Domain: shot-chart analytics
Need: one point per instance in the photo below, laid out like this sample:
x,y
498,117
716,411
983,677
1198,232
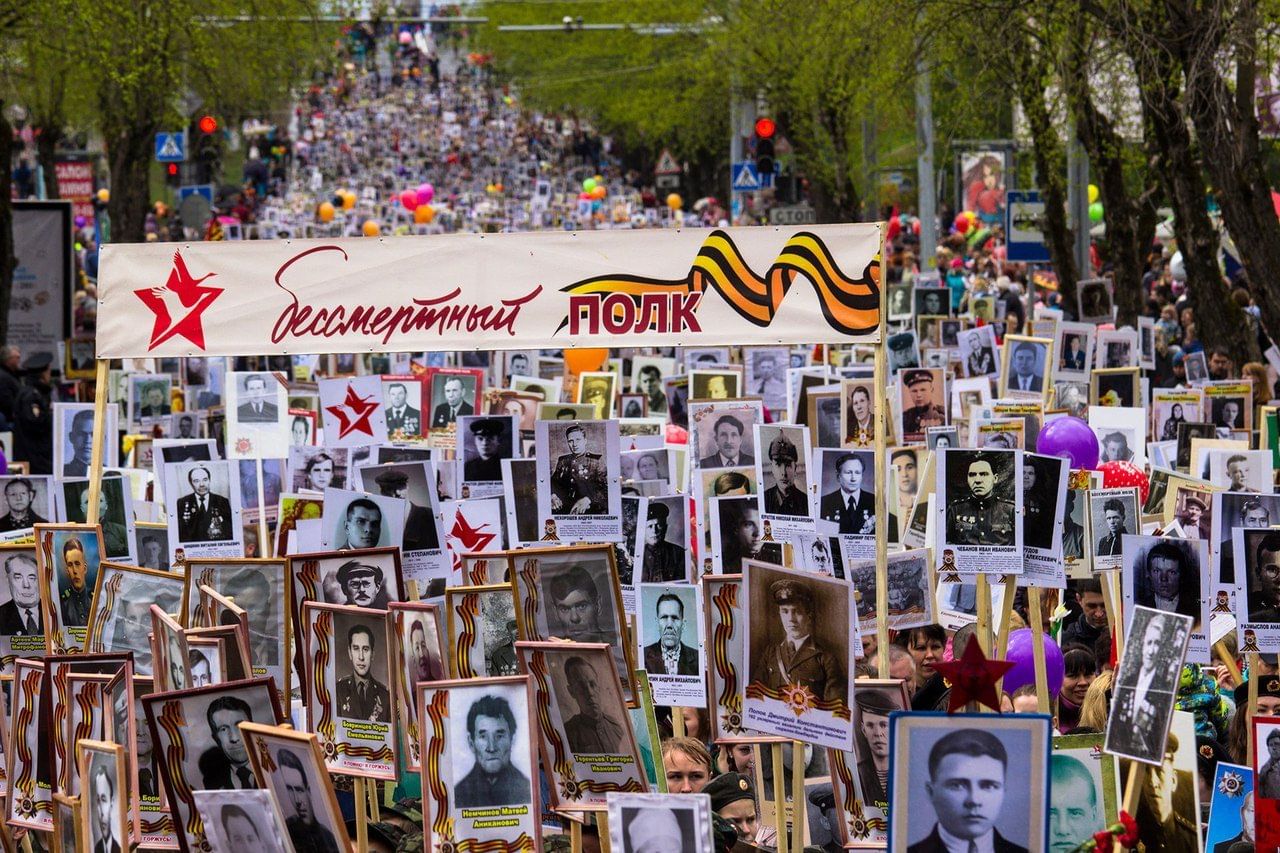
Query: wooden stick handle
x,y
362,817
799,809
779,796
1037,648
1229,661
1133,786
99,439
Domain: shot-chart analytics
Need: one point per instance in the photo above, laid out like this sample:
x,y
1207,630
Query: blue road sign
x,y
171,147
745,177
205,190
1024,227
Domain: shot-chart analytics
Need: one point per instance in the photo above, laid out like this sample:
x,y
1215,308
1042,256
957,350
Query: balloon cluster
x,y
964,221
410,199
900,222
594,189
1095,206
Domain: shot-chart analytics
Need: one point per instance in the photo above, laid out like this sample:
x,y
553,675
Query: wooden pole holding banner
x,y
602,831
880,424
362,816
1229,661
1006,611
575,836
1254,660
982,632
263,550
799,809
374,811
1133,786
779,796
1037,648
99,438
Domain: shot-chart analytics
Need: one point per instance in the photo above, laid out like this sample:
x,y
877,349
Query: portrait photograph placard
x,y
722,434
910,600
1005,757
977,495
520,501
979,352
25,501
421,654
1074,345
1232,810
1044,502
120,615
354,521
726,652
1146,684
1257,587
482,630
802,639
348,688
260,588
640,822
242,820
257,413
105,811
1085,791
204,516
572,593
197,732
579,496
1172,575
671,643
22,617
115,513
149,399
1025,370
858,414
785,496
861,798
454,391
402,401
483,442
68,555
422,547
29,802
766,375
1111,514
1171,407
847,499
317,468
479,762
73,438
585,739
922,402
289,764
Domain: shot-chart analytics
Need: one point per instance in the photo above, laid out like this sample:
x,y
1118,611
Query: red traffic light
x,y
207,124
765,127
172,169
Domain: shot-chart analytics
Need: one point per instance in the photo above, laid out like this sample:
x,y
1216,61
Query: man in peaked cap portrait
x,y
981,518
874,709
923,411
486,465
362,584
798,658
419,527
785,496
663,561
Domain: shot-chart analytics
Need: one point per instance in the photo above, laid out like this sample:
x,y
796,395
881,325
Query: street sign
x,y
667,182
800,214
1024,227
171,147
745,177
667,164
205,190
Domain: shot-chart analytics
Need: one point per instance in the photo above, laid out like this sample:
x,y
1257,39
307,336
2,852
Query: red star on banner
x,y
183,293
360,409
973,678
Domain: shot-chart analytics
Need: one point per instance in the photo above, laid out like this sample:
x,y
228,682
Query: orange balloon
x,y
423,214
582,360
371,228
674,201
599,192
348,200
326,211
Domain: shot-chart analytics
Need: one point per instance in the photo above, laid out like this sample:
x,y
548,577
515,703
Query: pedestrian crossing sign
x,y
745,177
171,147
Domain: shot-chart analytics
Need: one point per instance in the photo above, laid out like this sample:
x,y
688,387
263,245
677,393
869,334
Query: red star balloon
x,y
973,678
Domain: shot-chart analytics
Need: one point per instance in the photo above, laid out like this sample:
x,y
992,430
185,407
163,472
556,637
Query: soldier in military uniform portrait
x,y
922,391
1146,683
362,584
1166,814
663,560
420,533
402,417
360,695
492,780
502,658
574,606
871,708
798,657
488,442
77,573
980,498
592,730
903,351
788,494
579,480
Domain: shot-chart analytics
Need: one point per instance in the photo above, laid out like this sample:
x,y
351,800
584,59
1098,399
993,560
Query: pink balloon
x,y
409,199
426,192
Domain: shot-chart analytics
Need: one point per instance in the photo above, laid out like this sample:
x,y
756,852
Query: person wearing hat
x,y
654,829
902,351
923,412
419,527
733,799
362,584
579,481
33,415
1192,517
663,561
360,696
798,658
1167,817
785,497
486,465
502,660
874,709
981,518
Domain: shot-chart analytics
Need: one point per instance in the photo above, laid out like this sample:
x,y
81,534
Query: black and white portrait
x,y
256,586
979,492
483,442
489,749
1197,368
922,394
1026,365
1146,683
932,301
978,352
767,375
104,804
149,397
358,520
25,501
1117,348
981,780
1115,387
578,473
296,777
783,472
242,820
904,351
257,404
482,630
598,389
317,468
73,438
1074,346
647,375
858,424
723,435
900,302
847,493
412,483
122,614
1113,513
453,393
402,401
205,501
1093,301
665,554
115,512
1171,575
714,384
647,823
737,529
671,643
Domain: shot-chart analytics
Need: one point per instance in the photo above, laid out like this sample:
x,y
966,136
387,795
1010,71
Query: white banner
x,y
38,318
803,284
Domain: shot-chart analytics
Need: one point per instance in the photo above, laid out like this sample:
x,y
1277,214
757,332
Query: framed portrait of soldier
x,y
977,496
937,756
1115,386
1170,574
73,438
348,688
1146,684
722,384
482,630
242,820
259,587
704,357
204,509
120,612
922,396
671,643
858,414
68,556
782,470
1111,514
356,521
402,402
858,777
1044,501
483,442
802,639
420,655
289,765
725,629
352,411
25,501
28,763
641,822
573,594
582,713
1025,371
598,388
480,737
454,391
579,495
1256,586
257,409
663,556
1084,789
979,352
903,350
824,418
149,398
1074,345
197,730
115,512
1093,301
105,809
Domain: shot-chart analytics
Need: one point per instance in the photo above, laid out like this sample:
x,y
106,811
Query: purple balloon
x,y
1072,438
81,221
1022,655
